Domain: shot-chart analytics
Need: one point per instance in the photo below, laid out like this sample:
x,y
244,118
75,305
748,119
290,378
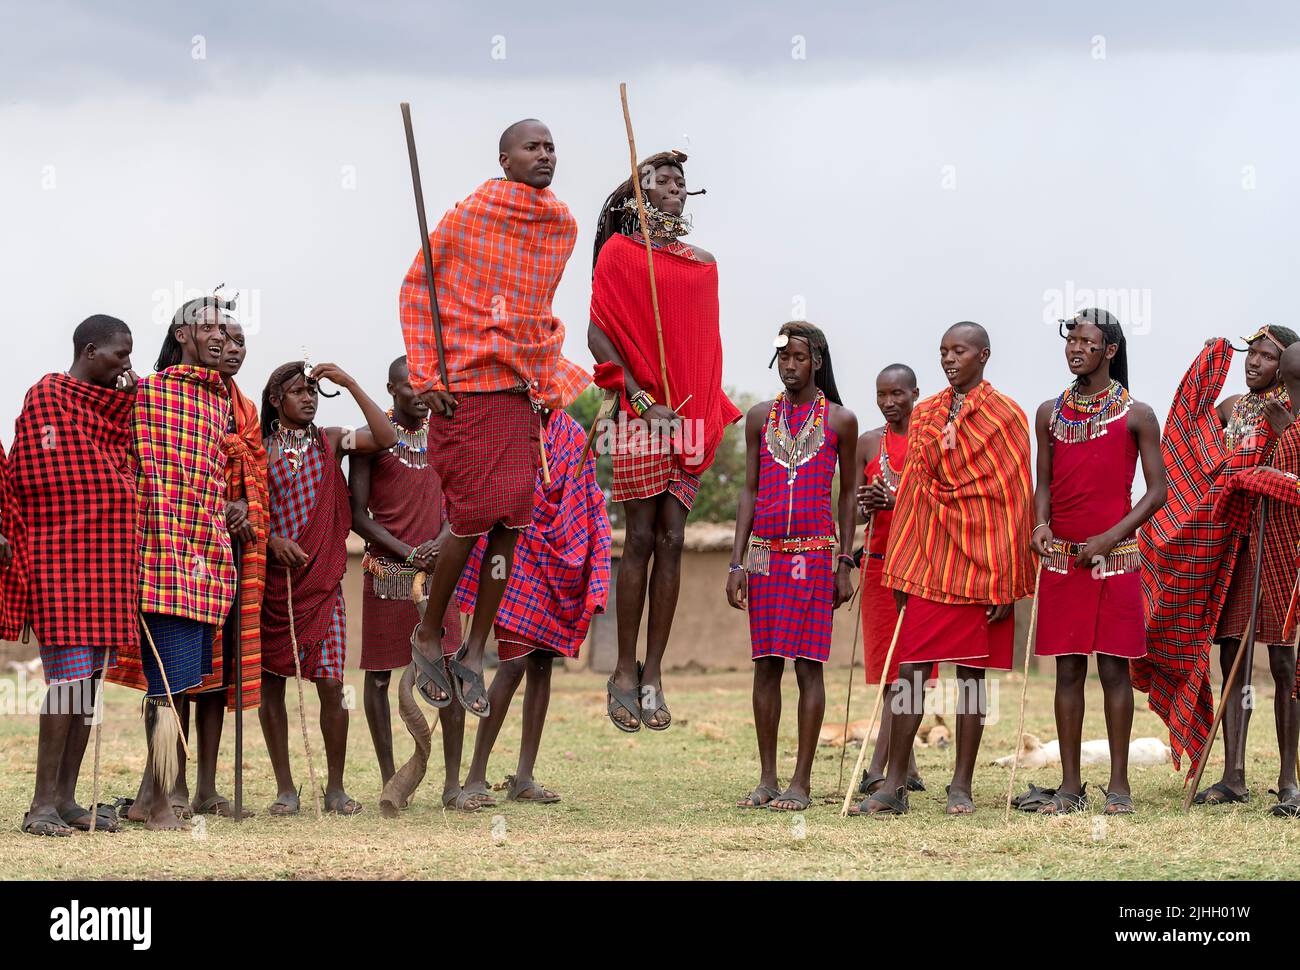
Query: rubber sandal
x,y
1063,803
801,802
1288,803
915,783
290,808
870,782
1220,794
341,803
211,804
105,819
764,792
461,800
485,798
1034,799
959,800
661,708
895,804
628,700
1117,804
428,672
460,675
519,793
48,824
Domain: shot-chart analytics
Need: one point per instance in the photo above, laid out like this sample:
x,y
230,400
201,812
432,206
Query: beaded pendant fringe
x,y
390,580
1122,559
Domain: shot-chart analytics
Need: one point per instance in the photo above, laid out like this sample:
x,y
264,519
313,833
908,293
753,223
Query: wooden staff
x,y
649,250
239,714
424,244
1030,639
1231,679
853,657
167,688
302,712
871,725
98,716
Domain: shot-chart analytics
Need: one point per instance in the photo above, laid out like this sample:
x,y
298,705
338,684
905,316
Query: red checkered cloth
x,y
71,475
386,626
13,577
1188,554
1235,506
486,457
792,609
560,575
498,257
645,465
311,507
687,291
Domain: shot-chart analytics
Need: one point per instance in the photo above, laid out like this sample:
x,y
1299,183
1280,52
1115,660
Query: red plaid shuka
x,y
13,577
560,576
961,522
1235,507
1188,554
71,475
498,257
187,567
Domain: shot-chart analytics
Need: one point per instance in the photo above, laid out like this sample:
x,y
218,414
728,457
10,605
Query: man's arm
x,y
1040,540
376,535
845,423
737,585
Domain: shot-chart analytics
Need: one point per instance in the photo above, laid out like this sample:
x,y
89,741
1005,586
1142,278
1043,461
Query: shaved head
x,y
899,372
1288,367
397,370
512,134
973,332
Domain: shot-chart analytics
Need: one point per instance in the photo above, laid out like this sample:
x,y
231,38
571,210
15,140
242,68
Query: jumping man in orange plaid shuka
x,y
498,256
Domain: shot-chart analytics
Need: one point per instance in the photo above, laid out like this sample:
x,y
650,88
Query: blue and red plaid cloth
x,y
1188,554
498,256
792,609
560,575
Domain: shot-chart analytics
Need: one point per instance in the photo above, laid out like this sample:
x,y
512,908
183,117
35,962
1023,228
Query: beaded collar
x,y
1109,404
792,450
412,448
1246,412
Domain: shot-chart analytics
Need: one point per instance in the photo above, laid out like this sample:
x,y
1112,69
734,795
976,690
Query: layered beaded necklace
x,y
1246,412
412,448
792,450
1109,404
293,443
888,474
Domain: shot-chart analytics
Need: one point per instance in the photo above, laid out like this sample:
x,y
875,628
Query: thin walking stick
x,y
302,711
1030,639
649,249
1236,662
880,693
99,720
167,687
853,657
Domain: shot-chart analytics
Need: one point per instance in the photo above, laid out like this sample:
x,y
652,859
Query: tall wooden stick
x,y
302,710
167,688
1030,640
649,249
99,721
871,726
424,244
1225,697
853,657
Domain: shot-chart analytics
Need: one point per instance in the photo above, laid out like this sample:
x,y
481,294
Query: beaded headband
x,y
1263,332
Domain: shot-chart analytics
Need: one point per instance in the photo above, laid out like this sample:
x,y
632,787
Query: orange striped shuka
x,y
962,517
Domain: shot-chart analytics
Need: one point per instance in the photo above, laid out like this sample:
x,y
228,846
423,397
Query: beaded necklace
x,y
792,450
412,448
1246,412
1109,404
293,443
888,474
958,399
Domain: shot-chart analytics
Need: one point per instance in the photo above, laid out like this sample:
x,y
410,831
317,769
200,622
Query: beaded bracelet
x,y
735,567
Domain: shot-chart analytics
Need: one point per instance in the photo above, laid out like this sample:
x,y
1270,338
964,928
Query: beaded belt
x,y
1123,558
390,580
759,558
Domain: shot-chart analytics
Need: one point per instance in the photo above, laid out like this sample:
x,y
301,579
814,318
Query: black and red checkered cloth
x,y
1236,505
76,493
1188,554
13,576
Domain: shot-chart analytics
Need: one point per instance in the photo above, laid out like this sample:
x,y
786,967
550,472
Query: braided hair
x,y
1111,333
824,375
187,315
608,224
281,376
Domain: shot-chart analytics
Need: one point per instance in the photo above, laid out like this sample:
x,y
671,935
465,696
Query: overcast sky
x,y
884,169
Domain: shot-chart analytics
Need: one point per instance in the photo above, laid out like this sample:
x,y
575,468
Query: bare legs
x,y
767,719
1237,706
534,669
655,529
